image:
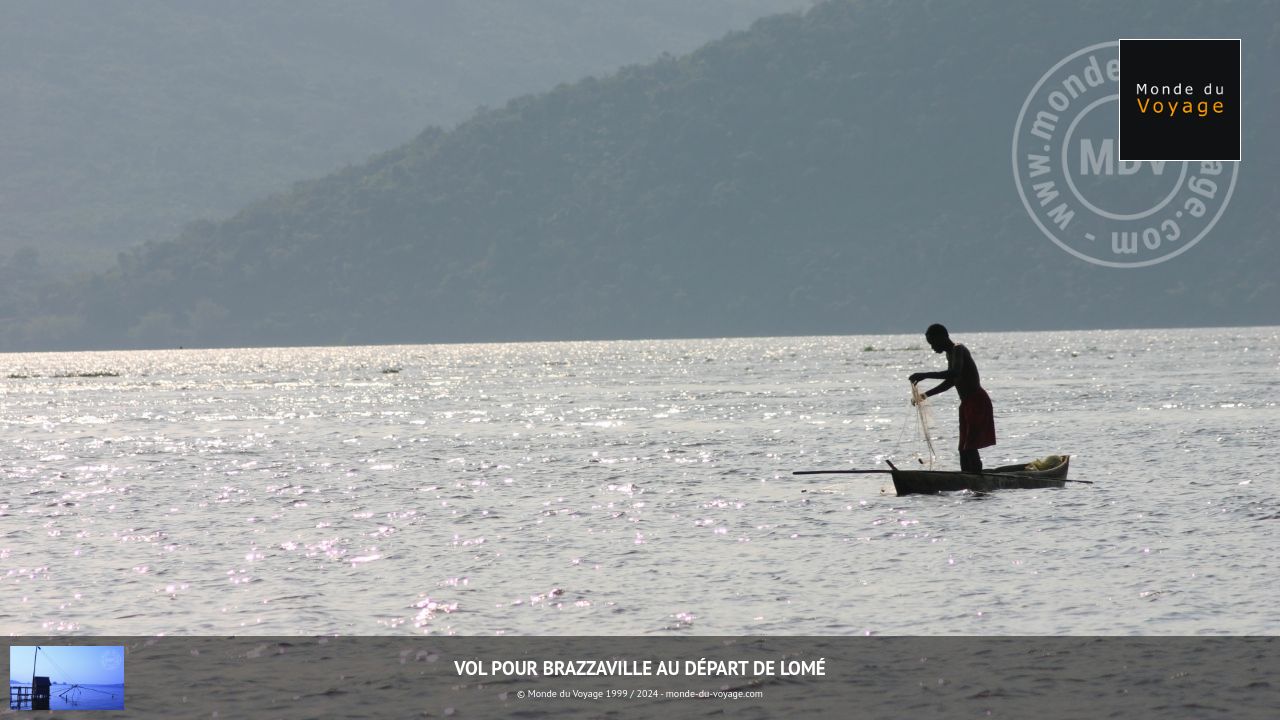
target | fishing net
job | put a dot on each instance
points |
(924, 420)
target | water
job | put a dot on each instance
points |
(83, 696)
(636, 488)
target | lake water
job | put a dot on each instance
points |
(637, 488)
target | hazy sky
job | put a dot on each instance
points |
(76, 664)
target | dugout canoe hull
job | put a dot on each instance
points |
(1009, 477)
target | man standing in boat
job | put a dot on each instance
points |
(977, 421)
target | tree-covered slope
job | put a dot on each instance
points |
(842, 171)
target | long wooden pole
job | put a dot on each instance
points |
(840, 472)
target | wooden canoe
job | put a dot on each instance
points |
(1008, 477)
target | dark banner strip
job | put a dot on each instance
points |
(639, 677)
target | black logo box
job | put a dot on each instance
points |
(1186, 67)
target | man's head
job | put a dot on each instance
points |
(938, 338)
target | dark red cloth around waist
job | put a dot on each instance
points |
(977, 421)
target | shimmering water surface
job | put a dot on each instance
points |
(637, 487)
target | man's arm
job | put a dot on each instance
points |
(917, 377)
(941, 388)
(955, 362)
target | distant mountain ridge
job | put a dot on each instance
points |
(845, 170)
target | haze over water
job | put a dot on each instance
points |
(638, 487)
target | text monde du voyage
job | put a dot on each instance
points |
(1179, 99)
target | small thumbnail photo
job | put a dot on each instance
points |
(66, 677)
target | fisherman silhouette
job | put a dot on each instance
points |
(977, 420)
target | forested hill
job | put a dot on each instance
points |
(846, 170)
